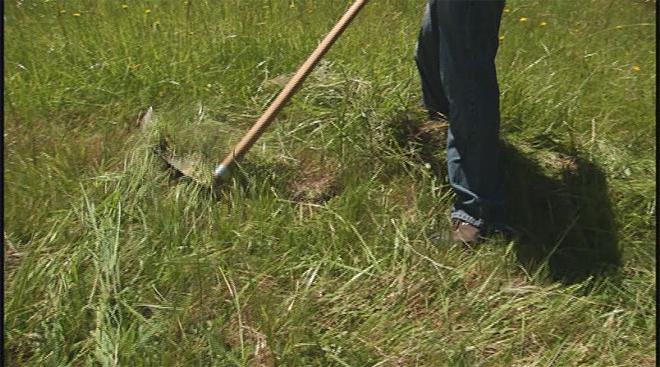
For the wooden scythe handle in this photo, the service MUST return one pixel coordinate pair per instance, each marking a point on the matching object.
(291, 87)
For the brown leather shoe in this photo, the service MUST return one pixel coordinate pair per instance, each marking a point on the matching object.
(465, 232)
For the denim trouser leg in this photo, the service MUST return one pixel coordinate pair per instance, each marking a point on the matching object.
(456, 61)
(426, 58)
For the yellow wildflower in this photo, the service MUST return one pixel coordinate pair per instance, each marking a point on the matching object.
(501, 38)
(124, 6)
(147, 11)
(635, 68)
(619, 27)
(522, 19)
(76, 14)
(507, 10)
(543, 24)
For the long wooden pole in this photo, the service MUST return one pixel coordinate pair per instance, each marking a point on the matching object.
(289, 90)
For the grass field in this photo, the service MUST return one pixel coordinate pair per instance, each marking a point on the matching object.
(328, 248)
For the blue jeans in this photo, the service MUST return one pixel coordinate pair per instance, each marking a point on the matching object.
(455, 58)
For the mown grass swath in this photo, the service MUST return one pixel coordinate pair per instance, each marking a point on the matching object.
(327, 249)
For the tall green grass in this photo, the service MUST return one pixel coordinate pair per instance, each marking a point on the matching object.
(329, 248)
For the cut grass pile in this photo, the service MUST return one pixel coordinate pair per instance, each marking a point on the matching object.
(329, 248)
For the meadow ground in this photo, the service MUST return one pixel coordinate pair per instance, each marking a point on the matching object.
(328, 248)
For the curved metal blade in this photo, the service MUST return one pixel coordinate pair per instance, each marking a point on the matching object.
(191, 167)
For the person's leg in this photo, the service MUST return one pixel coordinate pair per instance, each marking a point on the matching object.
(427, 53)
(468, 40)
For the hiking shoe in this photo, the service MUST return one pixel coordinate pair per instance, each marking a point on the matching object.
(465, 232)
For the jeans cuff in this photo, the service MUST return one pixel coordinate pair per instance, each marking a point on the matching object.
(465, 217)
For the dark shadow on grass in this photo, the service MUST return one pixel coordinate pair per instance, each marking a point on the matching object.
(566, 220)
(422, 141)
(560, 210)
